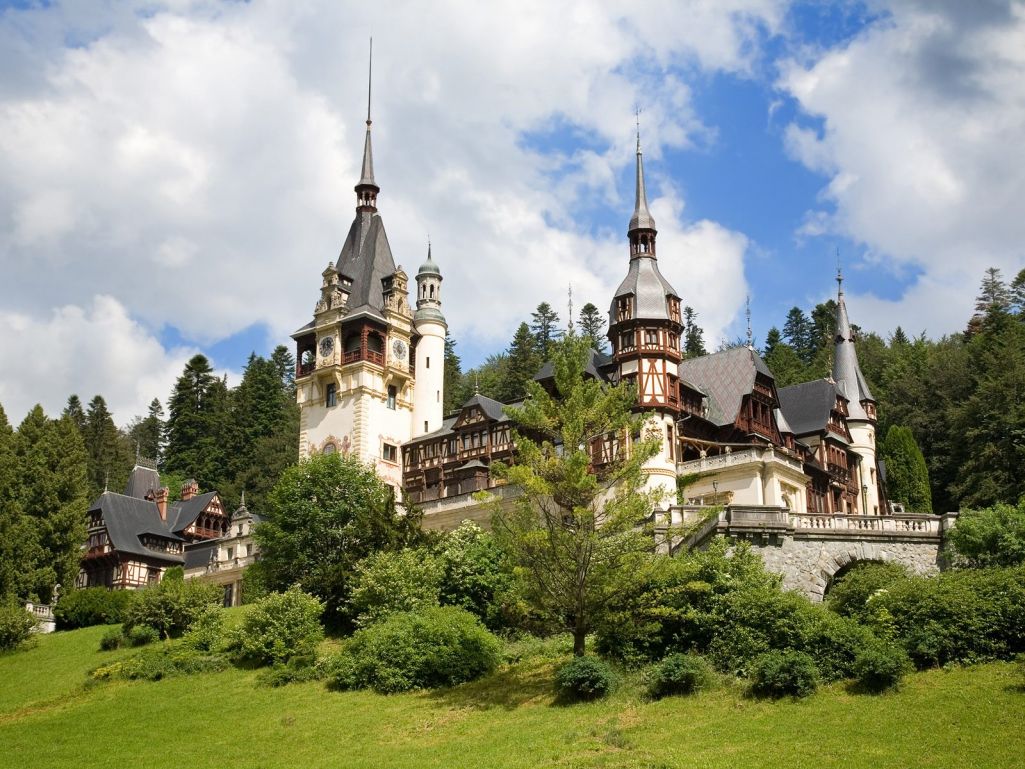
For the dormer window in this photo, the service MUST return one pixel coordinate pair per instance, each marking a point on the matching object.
(624, 308)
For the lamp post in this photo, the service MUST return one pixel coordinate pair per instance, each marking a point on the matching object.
(864, 498)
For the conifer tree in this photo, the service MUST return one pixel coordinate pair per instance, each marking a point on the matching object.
(109, 456)
(1018, 293)
(545, 325)
(522, 362)
(284, 363)
(798, 333)
(994, 296)
(74, 411)
(772, 339)
(898, 338)
(785, 364)
(455, 391)
(592, 326)
(822, 330)
(907, 477)
(693, 334)
(147, 434)
(197, 424)
(20, 553)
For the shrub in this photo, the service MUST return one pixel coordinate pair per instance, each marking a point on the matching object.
(162, 662)
(531, 647)
(206, 633)
(141, 635)
(584, 678)
(91, 606)
(170, 606)
(439, 646)
(16, 626)
(279, 627)
(112, 639)
(992, 536)
(388, 582)
(958, 616)
(880, 667)
(475, 573)
(296, 671)
(679, 674)
(783, 673)
(850, 594)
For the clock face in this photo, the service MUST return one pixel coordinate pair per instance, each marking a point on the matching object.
(398, 348)
(327, 344)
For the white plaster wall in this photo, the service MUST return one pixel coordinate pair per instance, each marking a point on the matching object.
(863, 444)
(429, 394)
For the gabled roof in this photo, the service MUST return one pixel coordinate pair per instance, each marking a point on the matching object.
(198, 554)
(598, 367)
(180, 515)
(141, 481)
(128, 518)
(366, 258)
(725, 378)
(806, 406)
(491, 408)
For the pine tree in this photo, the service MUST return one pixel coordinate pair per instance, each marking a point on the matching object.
(109, 456)
(786, 365)
(54, 489)
(284, 364)
(522, 362)
(772, 339)
(693, 334)
(823, 328)
(455, 394)
(74, 411)
(147, 434)
(592, 326)
(994, 296)
(1018, 293)
(907, 477)
(797, 331)
(545, 325)
(899, 338)
(20, 552)
(197, 424)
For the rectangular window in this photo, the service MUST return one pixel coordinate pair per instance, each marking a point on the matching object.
(390, 453)
(331, 396)
(425, 425)
(427, 361)
(231, 553)
(392, 394)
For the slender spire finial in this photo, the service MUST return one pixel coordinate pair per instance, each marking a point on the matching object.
(370, 78)
(637, 118)
(106, 481)
(570, 295)
(642, 218)
(839, 273)
(367, 198)
(476, 383)
(242, 503)
(750, 336)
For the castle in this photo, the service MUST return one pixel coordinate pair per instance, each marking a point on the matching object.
(789, 465)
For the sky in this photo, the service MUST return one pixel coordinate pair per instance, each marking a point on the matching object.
(175, 175)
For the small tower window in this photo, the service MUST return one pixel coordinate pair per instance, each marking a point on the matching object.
(425, 425)
(392, 394)
(331, 396)
(428, 363)
(432, 292)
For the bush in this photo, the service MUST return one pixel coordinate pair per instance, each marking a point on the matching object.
(296, 671)
(279, 627)
(958, 616)
(850, 594)
(784, 673)
(992, 536)
(112, 639)
(91, 606)
(206, 633)
(475, 573)
(679, 674)
(171, 606)
(880, 667)
(141, 635)
(16, 626)
(162, 662)
(388, 582)
(439, 646)
(584, 678)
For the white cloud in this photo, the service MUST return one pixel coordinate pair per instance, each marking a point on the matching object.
(90, 350)
(923, 121)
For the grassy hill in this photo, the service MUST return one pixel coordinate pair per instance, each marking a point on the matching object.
(50, 717)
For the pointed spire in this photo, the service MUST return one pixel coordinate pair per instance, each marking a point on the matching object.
(750, 336)
(846, 371)
(367, 175)
(642, 218)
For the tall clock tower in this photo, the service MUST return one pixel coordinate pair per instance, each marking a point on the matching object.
(645, 329)
(354, 376)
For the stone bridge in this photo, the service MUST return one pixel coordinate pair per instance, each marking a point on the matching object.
(810, 550)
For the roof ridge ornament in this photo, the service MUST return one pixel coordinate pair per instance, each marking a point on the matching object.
(642, 218)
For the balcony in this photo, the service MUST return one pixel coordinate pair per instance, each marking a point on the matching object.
(370, 356)
(304, 369)
(736, 458)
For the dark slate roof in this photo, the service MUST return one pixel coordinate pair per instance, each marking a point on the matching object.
(850, 381)
(597, 366)
(198, 554)
(127, 518)
(806, 406)
(473, 464)
(492, 409)
(181, 514)
(141, 481)
(366, 259)
(642, 218)
(725, 378)
(645, 282)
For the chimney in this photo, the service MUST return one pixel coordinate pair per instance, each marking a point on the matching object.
(160, 498)
(189, 489)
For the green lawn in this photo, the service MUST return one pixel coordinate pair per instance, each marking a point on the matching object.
(965, 717)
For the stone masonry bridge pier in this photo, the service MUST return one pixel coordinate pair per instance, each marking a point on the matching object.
(810, 550)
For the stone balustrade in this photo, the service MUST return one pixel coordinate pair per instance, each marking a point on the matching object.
(735, 458)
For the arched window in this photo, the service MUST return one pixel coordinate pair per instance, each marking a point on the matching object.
(432, 291)
(330, 448)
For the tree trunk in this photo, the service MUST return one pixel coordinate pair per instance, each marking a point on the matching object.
(579, 639)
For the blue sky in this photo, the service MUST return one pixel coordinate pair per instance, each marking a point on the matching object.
(173, 177)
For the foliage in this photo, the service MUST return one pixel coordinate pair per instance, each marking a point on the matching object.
(957, 616)
(990, 536)
(784, 673)
(522, 361)
(850, 593)
(545, 325)
(907, 476)
(439, 646)
(675, 605)
(197, 424)
(91, 606)
(574, 535)
(165, 661)
(147, 433)
(476, 573)
(393, 581)
(592, 326)
(453, 390)
(16, 625)
(206, 633)
(679, 674)
(297, 670)
(141, 635)
(585, 678)
(110, 453)
(693, 334)
(112, 639)
(170, 606)
(324, 516)
(279, 627)
(881, 667)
